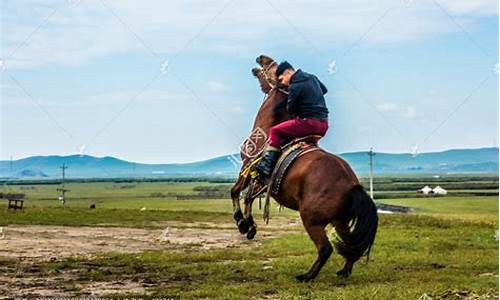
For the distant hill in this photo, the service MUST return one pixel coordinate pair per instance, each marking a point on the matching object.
(31, 173)
(483, 160)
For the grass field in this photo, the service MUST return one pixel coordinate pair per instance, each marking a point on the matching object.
(446, 249)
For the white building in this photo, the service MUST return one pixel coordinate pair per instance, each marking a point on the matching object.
(426, 190)
(439, 191)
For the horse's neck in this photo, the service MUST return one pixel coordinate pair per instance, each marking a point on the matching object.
(272, 112)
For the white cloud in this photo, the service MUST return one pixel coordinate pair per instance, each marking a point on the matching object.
(390, 107)
(111, 99)
(76, 34)
(410, 112)
(215, 86)
(386, 107)
(235, 109)
(476, 7)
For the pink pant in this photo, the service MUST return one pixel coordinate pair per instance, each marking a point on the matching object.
(286, 131)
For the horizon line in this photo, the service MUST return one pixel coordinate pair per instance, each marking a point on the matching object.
(225, 155)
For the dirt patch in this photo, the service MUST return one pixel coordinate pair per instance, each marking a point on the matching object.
(25, 246)
(466, 295)
(64, 286)
(33, 286)
(98, 289)
(43, 243)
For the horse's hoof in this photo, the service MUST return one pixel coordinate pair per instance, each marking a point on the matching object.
(243, 226)
(238, 215)
(252, 232)
(303, 278)
(343, 273)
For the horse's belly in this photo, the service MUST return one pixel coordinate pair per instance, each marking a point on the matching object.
(287, 202)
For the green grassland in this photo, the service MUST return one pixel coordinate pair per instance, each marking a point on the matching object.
(447, 248)
(470, 208)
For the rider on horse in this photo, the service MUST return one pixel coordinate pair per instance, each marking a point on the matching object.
(305, 104)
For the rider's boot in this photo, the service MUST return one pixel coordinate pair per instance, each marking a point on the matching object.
(269, 159)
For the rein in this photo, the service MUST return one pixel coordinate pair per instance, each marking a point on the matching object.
(269, 81)
(246, 171)
(267, 76)
(283, 91)
(257, 157)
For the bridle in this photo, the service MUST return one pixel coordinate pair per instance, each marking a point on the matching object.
(266, 96)
(268, 79)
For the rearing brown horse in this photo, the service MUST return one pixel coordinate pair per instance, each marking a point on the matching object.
(320, 185)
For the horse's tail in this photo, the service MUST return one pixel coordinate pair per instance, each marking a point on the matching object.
(357, 238)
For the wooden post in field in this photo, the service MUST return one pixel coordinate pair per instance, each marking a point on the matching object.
(371, 154)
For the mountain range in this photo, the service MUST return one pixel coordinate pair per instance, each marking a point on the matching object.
(482, 160)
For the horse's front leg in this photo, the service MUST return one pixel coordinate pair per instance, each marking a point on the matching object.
(250, 226)
(247, 224)
(235, 196)
(244, 221)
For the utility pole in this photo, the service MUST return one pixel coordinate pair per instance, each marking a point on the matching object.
(371, 154)
(11, 165)
(63, 167)
(63, 191)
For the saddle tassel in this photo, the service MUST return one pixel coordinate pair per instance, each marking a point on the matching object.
(266, 210)
(267, 205)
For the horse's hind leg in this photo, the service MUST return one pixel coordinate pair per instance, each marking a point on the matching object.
(325, 249)
(347, 269)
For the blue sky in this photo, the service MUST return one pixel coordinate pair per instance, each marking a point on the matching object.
(86, 76)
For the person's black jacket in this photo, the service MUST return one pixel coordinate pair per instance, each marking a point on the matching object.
(305, 96)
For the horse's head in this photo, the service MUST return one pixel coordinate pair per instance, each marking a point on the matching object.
(265, 86)
(273, 109)
(269, 67)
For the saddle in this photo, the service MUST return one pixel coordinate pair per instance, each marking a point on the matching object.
(289, 153)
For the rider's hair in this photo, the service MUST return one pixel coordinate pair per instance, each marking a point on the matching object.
(282, 67)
